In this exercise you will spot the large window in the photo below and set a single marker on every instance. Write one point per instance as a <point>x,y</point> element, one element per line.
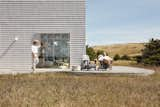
<point>54,51</point>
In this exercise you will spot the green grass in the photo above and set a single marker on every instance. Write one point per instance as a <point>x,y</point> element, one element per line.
<point>75,90</point>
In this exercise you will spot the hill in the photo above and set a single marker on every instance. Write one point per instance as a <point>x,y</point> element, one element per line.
<point>130,49</point>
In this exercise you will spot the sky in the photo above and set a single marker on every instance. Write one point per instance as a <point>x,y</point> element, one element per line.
<point>122,21</point>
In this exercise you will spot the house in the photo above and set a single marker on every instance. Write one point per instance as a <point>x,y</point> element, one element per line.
<point>58,24</point>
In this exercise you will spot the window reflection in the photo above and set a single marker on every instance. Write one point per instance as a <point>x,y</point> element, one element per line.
<point>55,51</point>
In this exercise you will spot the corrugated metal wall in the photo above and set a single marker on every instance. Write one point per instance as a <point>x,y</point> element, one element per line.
<point>24,18</point>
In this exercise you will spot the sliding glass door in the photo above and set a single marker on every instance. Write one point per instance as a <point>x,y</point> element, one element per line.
<point>54,51</point>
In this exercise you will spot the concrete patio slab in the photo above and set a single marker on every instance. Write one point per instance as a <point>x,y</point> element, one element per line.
<point>124,70</point>
<point>115,70</point>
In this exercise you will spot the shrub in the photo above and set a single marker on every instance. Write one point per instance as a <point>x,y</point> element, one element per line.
<point>125,57</point>
<point>99,52</point>
<point>117,57</point>
<point>151,53</point>
<point>138,58</point>
<point>91,53</point>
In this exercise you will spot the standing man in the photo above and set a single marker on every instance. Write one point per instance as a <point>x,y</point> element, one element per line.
<point>35,57</point>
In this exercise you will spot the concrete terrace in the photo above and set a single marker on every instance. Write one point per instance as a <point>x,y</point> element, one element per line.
<point>123,70</point>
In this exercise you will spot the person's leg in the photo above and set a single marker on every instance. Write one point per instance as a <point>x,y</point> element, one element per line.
<point>105,64</point>
<point>110,65</point>
<point>86,64</point>
<point>101,64</point>
<point>34,64</point>
<point>36,61</point>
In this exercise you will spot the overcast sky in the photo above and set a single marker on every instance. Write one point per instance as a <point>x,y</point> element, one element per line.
<point>122,21</point>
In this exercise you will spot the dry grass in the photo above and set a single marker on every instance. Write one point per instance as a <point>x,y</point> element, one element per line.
<point>130,49</point>
<point>77,90</point>
<point>124,63</point>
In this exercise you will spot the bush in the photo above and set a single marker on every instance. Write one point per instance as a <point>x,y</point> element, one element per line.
<point>151,53</point>
<point>125,57</point>
<point>99,52</point>
<point>91,53</point>
<point>138,58</point>
<point>117,57</point>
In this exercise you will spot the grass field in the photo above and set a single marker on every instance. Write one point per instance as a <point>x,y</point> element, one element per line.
<point>130,49</point>
<point>77,90</point>
<point>124,63</point>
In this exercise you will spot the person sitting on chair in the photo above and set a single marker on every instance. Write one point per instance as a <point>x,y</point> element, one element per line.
<point>109,60</point>
<point>101,59</point>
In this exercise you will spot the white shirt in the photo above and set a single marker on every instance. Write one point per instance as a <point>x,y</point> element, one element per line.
<point>35,49</point>
<point>100,58</point>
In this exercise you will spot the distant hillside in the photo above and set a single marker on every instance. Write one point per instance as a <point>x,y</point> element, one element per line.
<point>130,49</point>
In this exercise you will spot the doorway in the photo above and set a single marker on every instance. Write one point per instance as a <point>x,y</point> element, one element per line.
<point>54,51</point>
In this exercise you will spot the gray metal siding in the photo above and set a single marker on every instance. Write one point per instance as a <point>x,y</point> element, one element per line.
<point>24,18</point>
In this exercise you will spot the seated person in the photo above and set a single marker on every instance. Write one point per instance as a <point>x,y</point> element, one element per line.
<point>100,59</point>
<point>109,60</point>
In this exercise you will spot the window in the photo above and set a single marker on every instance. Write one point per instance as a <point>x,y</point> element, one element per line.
<point>55,51</point>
